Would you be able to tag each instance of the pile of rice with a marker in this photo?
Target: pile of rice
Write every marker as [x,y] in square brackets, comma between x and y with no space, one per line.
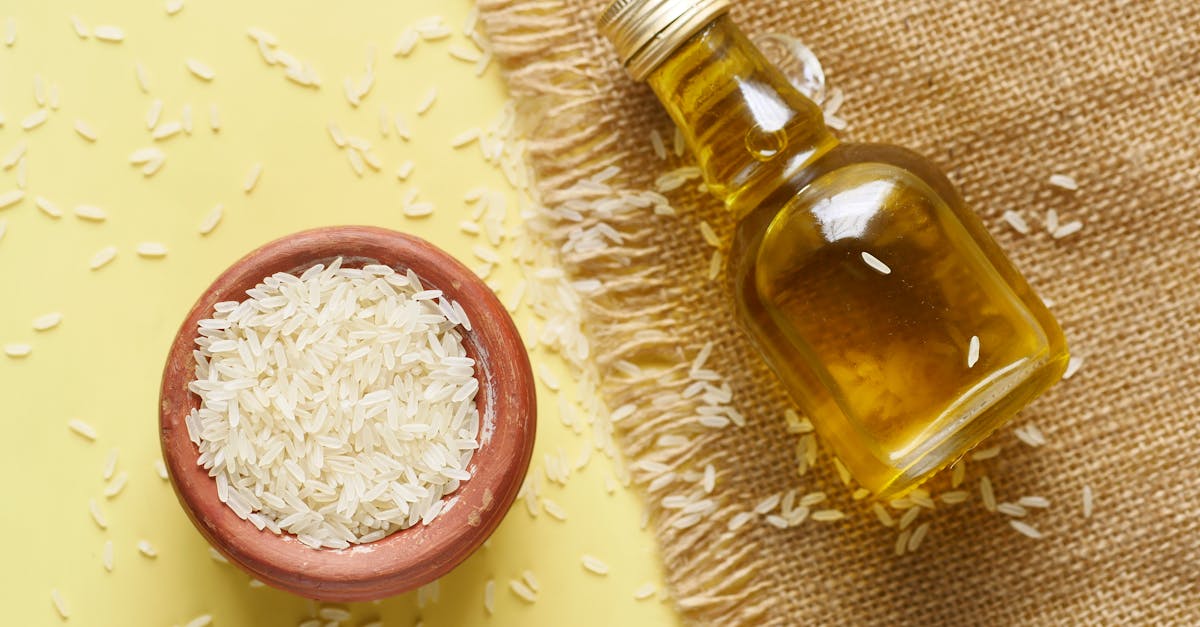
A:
[338,406]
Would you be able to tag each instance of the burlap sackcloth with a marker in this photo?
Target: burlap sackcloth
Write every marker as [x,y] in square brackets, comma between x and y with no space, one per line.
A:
[1002,94]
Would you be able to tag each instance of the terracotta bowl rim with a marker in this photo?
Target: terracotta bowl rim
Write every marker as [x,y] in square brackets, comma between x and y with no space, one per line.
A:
[408,558]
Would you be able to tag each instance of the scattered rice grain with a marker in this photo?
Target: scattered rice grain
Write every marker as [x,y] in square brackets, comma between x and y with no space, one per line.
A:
[1025,529]
[97,515]
[116,485]
[1063,181]
[1073,365]
[875,263]
[82,428]
[522,591]
[110,464]
[85,130]
[60,604]
[103,257]
[108,33]
[1016,221]
[106,556]
[200,70]
[35,119]
[145,548]
[987,494]
[594,565]
[212,219]
[252,177]
[151,249]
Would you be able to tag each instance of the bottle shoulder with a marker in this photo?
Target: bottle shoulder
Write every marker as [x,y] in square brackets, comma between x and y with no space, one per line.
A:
[845,162]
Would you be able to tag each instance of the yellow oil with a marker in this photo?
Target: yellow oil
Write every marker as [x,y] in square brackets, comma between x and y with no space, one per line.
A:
[858,273]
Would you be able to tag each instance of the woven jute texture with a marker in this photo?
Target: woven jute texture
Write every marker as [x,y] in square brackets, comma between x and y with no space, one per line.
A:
[1001,94]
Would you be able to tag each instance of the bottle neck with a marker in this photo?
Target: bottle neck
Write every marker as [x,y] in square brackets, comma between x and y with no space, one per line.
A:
[748,126]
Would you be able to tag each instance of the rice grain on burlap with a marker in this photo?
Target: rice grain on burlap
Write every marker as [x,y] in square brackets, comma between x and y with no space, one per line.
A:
[1001,94]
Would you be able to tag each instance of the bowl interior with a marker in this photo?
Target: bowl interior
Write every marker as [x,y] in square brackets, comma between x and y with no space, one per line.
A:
[409,557]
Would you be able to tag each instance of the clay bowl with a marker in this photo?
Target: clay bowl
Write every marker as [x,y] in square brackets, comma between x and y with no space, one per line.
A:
[408,558]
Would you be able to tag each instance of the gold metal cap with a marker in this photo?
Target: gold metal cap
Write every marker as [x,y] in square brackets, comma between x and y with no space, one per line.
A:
[646,32]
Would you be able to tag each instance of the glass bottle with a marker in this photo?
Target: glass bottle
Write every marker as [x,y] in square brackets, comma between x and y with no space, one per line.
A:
[891,316]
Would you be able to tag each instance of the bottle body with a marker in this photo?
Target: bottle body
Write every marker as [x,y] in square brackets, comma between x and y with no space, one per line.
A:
[892,317]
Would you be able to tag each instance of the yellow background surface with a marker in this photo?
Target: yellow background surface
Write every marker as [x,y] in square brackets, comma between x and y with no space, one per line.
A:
[103,363]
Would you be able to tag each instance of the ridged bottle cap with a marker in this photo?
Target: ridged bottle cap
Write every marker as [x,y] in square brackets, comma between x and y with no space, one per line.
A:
[646,32]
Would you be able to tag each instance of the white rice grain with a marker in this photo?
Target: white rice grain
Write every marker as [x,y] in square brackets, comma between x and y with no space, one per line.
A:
[1073,365]
[18,350]
[464,138]
[116,485]
[160,469]
[406,42]
[173,6]
[739,520]
[97,515]
[47,321]
[554,509]
[145,155]
[111,34]
[656,142]
[35,119]
[954,497]
[90,213]
[714,265]
[145,548]
[82,428]
[252,177]
[530,580]
[710,235]
[489,596]
[200,70]
[1030,434]
[462,53]
[427,102]
[1033,501]
[10,198]
[1070,228]
[1025,529]
[154,113]
[143,78]
[81,30]
[103,257]
[522,591]
[166,130]
[987,494]
[14,155]
[48,208]
[110,464]
[214,118]
[60,604]
[875,263]
[902,541]
[1051,221]
[1011,509]
[1063,181]
[973,352]
[594,565]
[151,249]
[84,130]
[918,534]
[212,219]
[106,556]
